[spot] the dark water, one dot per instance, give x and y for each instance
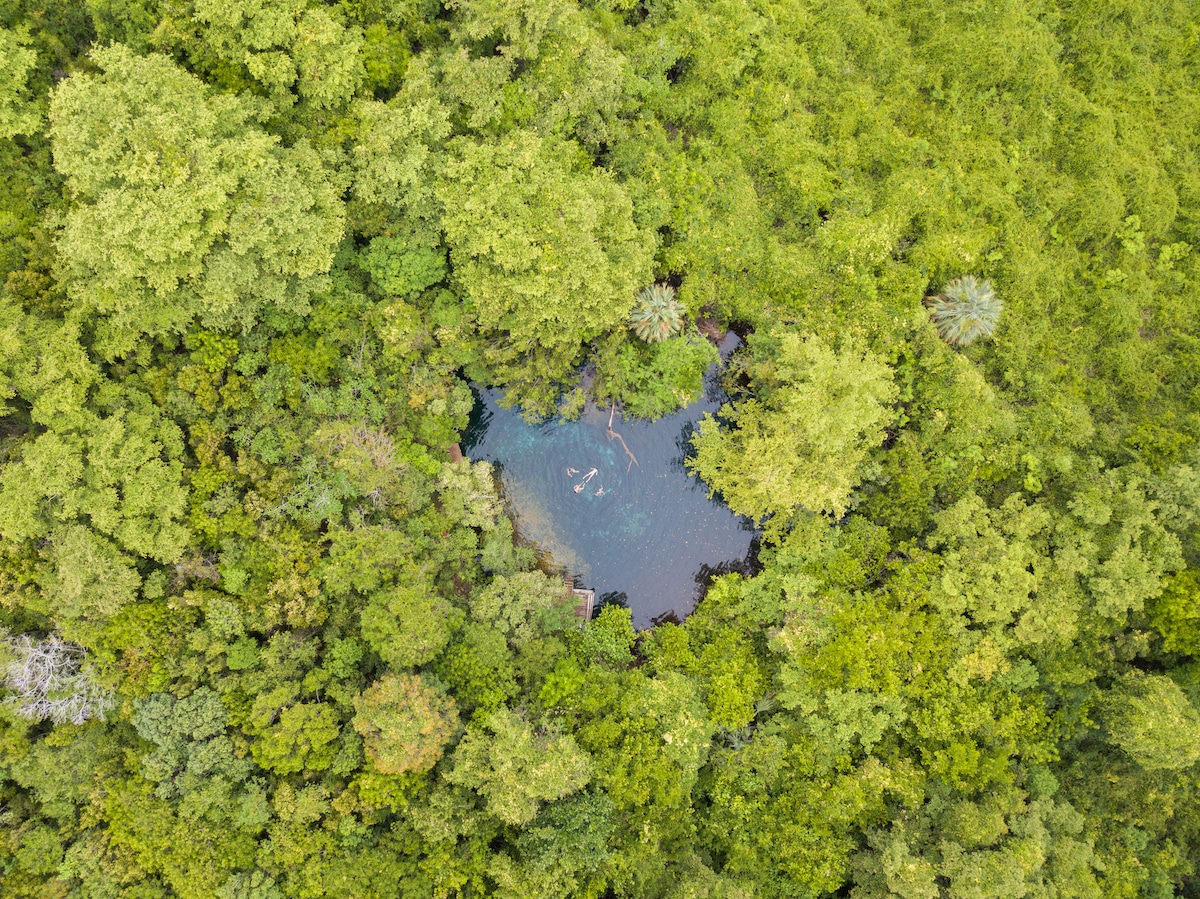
(651, 539)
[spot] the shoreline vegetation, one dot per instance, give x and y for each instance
(261, 638)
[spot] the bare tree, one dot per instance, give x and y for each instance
(47, 680)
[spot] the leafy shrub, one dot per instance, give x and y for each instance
(401, 267)
(655, 380)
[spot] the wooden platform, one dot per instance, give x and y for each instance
(585, 600)
(586, 604)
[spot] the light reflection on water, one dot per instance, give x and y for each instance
(652, 534)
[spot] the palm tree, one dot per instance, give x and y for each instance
(657, 315)
(965, 310)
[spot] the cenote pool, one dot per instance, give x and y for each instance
(647, 535)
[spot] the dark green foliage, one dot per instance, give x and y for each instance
(401, 267)
(609, 636)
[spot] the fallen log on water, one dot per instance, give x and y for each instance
(611, 434)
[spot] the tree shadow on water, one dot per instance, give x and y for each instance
(746, 567)
(667, 617)
(613, 598)
(683, 446)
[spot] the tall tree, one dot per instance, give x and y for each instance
(182, 208)
(17, 114)
(802, 442)
(285, 45)
(517, 768)
(545, 252)
(406, 723)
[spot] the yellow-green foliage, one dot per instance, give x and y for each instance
(254, 252)
(545, 251)
(802, 445)
(182, 208)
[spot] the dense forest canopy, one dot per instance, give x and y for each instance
(261, 638)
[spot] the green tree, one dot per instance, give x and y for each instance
(182, 208)
(285, 45)
(395, 159)
(408, 625)
(545, 252)
(301, 740)
(524, 606)
(405, 723)
(654, 380)
(478, 667)
(150, 836)
(609, 636)
(469, 494)
(194, 756)
(92, 579)
(402, 266)
(1151, 719)
(120, 472)
(515, 768)
(1176, 614)
(555, 69)
(995, 846)
(17, 113)
(557, 851)
(802, 443)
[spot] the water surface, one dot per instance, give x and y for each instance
(645, 535)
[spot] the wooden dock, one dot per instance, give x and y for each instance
(585, 600)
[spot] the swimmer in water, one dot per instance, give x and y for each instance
(599, 492)
(571, 472)
(578, 488)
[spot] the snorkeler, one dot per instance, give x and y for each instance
(578, 488)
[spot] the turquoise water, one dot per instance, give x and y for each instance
(645, 535)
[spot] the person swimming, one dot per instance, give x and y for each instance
(599, 492)
(571, 472)
(578, 488)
